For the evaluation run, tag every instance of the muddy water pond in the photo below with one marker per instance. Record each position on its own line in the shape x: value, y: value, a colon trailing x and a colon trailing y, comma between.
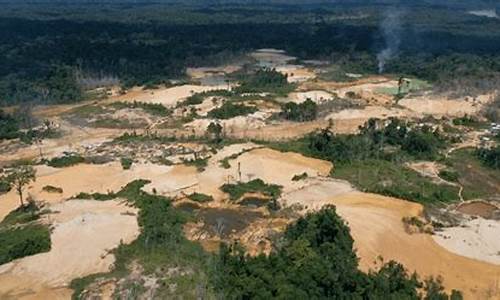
x: 481, y: 209
x: 223, y: 221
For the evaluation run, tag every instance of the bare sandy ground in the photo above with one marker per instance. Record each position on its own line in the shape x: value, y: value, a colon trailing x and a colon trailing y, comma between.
x: 296, y: 73
x: 376, y: 226
x: 168, y: 97
x: 258, y: 163
x: 236, y: 124
x: 81, y: 178
x: 318, y: 96
x: 438, y: 106
x: 83, y: 233
x: 75, y: 139
x: 199, y: 73
x: 477, y: 238
x: 353, y: 118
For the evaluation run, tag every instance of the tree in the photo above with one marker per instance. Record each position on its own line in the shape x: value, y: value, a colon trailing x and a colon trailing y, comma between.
x: 20, y: 177
x: 215, y: 131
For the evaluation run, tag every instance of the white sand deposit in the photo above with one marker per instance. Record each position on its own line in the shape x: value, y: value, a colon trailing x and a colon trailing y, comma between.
x: 478, y: 239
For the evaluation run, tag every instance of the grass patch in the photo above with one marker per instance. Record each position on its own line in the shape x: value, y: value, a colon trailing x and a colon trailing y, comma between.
x: 478, y: 180
x: 393, y: 179
x: 199, y: 197
x: 236, y: 191
x: 415, y: 86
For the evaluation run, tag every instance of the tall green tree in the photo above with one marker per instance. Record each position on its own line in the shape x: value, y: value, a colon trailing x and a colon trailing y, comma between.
x: 21, y: 177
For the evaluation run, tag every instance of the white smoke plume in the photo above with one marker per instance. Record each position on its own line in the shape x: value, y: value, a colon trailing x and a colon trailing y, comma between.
x: 391, y: 30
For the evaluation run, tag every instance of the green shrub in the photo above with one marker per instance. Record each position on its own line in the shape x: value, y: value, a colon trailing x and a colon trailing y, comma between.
x: 465, y: 121
x: 299, y: 177
x: 199, y: 197
x: 305, y: 111
x: 5, y: 185
x: 9, y: 126
x: 236, y: 191
x: 66, y: 161
x: 265, y: 80
x: 151, y: 108
x: 489, y: 157
x: 23, y: 241
x: 449, y: 175
x: 224, y: 163
x: 52, y: 189
x: 230, y: 110
x: 21, y: 215
x: 95, y: 196
x: 126, y: 163
x: 199, y: 163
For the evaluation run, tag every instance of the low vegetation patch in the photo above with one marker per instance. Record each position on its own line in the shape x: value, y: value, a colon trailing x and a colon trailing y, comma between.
x: 477, y: 178
x: 94, y: 196
x: 23, y: 241
x: 236, y: 191
x: 392, y: 179
x: 52, y: 189
x: 5, y: 185
x: 305, y: 111
x: 69, y: 159
x: 300, y: 177
x: 265, y: 80
x: 126, y: 163
x: 449, y: 175
x: 489, y: 157
x: 199, y: 163
x: 21, y: 236
x: 466, y: 120
x: 151, y: 108
x: 199, y: 197
x: 230, y: 110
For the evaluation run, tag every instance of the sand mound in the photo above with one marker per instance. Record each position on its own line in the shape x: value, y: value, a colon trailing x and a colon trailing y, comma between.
x: 83, y: 233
